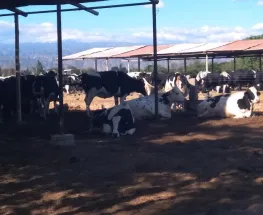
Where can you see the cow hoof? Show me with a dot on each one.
(115, 135)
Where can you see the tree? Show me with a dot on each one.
(39, 68)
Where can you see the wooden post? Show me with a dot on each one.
(107, 64)
(206, 63)
(96, 64)
(128, 65)
(60, 68)
(213, 64)
(234, 63)
(193, 94)
(155, 66)
(17, 61)
(260, 63)
(139, 64)
(185, 66)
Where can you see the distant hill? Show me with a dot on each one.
(46, 53)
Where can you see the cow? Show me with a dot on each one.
(172, 80)
(46, 89)
(241, 77)
(70, 83)
(116, 121)
(108, 84)
(236, 105)
(208, 81)
(144, 107)
(181, 82)
(259, 80)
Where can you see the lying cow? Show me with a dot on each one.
(181, 82)
(117, 120)
(237, 105)
(108, 84)
(144, 107)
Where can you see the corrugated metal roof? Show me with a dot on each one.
(147, 50)
(203, 48)
(86, 52)
(179, 48)
(111, 52)
(239, 45)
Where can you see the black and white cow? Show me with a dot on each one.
(236, 105)
(70, 83)
(117, 120)
(144, 107)
(46, 90)
(181, 82)
(208, 81)
(242, 78)
(259, 80)
(108, 84)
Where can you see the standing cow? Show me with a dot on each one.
(108, 84)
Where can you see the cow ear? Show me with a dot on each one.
(246, 99)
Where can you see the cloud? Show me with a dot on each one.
(46, 32)
(258, 26)
(260, 3)
(160, 5)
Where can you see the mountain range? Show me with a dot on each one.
(46, 53)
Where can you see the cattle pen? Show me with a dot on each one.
(184, 165)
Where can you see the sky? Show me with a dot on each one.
(177, 22)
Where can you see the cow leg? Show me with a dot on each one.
(239, 116)
(218, 89)
(115, 124)
(46, 106)
(88, 99)
(67, 89)
(116, 100)
(106, 129)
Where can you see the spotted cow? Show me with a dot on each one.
(181, 82)
(236, 105)
(144, 107)
(117, 120)
(108, 84)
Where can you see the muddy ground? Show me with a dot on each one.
(180, 166)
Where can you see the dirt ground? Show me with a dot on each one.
(183, 166)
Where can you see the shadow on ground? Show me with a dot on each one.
(180, 166)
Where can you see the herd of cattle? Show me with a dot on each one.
(38, 91)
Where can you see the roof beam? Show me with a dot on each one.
(82, 7)
(155, 1)
(17, 11)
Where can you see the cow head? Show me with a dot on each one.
(51, 73)
(38, 86)
(253, 95)
(174, 95)
(141, 87)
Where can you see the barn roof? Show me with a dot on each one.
(111, 52)
(179, 48)
(256, 48)
(203, 48)
(146, 50)
(83, 53)
(239, 45)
